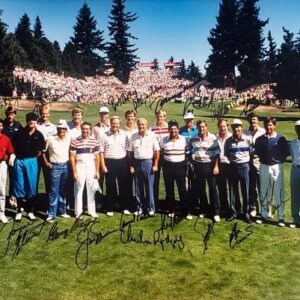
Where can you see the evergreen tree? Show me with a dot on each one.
(171, 59)
(223, 40)
(271, 59)
(120, 51)
(155, 61)
(182, 69)
(71, 61)
(6, 61)
(193, 72)
(88, 41)
(25, 39)
(289, 67)
(38, 32)
(250, 42)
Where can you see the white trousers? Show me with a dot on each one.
(86, 174)
(3, 176)
(272, 187)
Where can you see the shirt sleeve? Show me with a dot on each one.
(155, 144)
(10, 148)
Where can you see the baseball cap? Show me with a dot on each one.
(236, 122)
(62, 124)
(104, 109)
(188, 115)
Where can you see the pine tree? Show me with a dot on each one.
(120, 51)
(250, 42)
(71, 61)
(289, 67)
(25, 39)
(193, 72)
(271, 59)
(182, 69)
(224, 58)
(88, 41)
(171, 59)
(155, 61)
(6, 61)
(38, 32)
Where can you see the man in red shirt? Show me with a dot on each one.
(6, 149)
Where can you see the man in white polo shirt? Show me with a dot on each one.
(57, 147)
(113, 146)
(144, 152)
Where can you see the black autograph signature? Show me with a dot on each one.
(207, 235)
(236, 237)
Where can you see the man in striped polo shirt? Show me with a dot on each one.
(205, 153)
(84, 159)
(174, 148)
(237, 148)
(223, 178)
(160, 129)
(113, 146)
(144, 153)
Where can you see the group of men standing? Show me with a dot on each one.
(76, 157)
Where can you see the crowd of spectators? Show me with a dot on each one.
(142, 85)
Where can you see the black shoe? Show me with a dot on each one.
(247, 218)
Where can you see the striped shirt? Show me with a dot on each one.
(174, 150)
(114, 145)
(143, 147)
(85, 149)
(238, 151)
(206, 149)
(160, 131)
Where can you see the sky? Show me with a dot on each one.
(164, 28)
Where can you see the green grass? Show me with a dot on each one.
(264, 266)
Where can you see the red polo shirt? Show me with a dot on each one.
(6, 147)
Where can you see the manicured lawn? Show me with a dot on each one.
(151, 258)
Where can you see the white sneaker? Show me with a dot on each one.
(3, 219)
(281, 223)
(253, 213)
(138, 212)
(217, 218)
(189, 217)
(65, 216)
(94, 215)
(50, 220)
(18, 217)
(31, 216)
(151, 213)
(201, 216)
(109, 213)
(171, 215)
(126, 212)
(292, 225)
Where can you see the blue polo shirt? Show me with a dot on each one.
(188, 134)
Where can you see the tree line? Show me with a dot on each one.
(85, 54)
(241, 57)
(240, 54)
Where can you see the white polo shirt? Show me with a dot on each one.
(58, 149)
(223, 159)
(74, 132)
(47, 130)
(143, 147)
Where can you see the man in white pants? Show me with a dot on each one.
(84, 158)
(6, 149)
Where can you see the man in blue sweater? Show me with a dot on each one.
(272, 150)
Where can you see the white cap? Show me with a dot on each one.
(188, 115)
(297, 123)
(236, 122)
(104, 109)
(62, 124)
